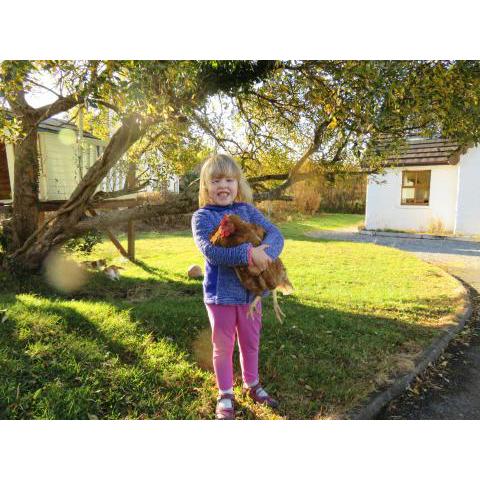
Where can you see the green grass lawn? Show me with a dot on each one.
(327, 221)
(139, 347)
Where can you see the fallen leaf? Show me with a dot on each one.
(37, 393)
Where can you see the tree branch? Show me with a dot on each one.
(317, 136)
(281, 176)
(262, 178)
(206, 127)
(260, 197)
(60, 105)
(180, 205)
(63, 104)
(118, 193)
(295, 175)
(43, 86)
(108, 105)
(340, 149)
(19, 105)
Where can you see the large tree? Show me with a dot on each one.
(275, 117)
(144, 96)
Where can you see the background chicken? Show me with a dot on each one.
(234, 231)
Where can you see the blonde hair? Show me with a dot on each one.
(218, 166)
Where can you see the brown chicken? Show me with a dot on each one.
(234, 231)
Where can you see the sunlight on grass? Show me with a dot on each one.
(325, 221)
(137, 348)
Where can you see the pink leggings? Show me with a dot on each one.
(226, 321)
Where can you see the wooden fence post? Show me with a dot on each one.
(131, 240)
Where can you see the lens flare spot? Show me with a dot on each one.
(202, 349)
(64, 274)
(66, 136)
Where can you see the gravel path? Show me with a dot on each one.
(450, 389)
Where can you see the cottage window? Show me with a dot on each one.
(416, 187)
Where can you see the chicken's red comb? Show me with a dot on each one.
(226, 227)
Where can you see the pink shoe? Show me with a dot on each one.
(222, 413)
(253, 393)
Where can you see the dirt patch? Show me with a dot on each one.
(141, 292)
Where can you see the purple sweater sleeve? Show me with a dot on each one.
(273, 237)
(202, 228)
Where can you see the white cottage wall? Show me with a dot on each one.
(60, 173)
(384, 209)
(58, 163)
(468, 209)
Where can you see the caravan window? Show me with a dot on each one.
(416, 187)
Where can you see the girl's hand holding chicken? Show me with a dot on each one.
(259, 258)
(262, 272)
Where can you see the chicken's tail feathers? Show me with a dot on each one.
(285, 287)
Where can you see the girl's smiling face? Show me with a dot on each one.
(223, 190)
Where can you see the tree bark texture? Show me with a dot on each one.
(26, 189)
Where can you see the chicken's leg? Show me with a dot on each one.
(276, 307)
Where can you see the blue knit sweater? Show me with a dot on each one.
(221, 284)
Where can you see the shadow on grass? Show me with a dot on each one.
(138, 361)
(148, 268)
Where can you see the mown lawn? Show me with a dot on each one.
(139, 347)
(327, 221)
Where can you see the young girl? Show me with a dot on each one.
(224, 190)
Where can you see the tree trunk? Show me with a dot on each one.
(38, 245)
(26, 190)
